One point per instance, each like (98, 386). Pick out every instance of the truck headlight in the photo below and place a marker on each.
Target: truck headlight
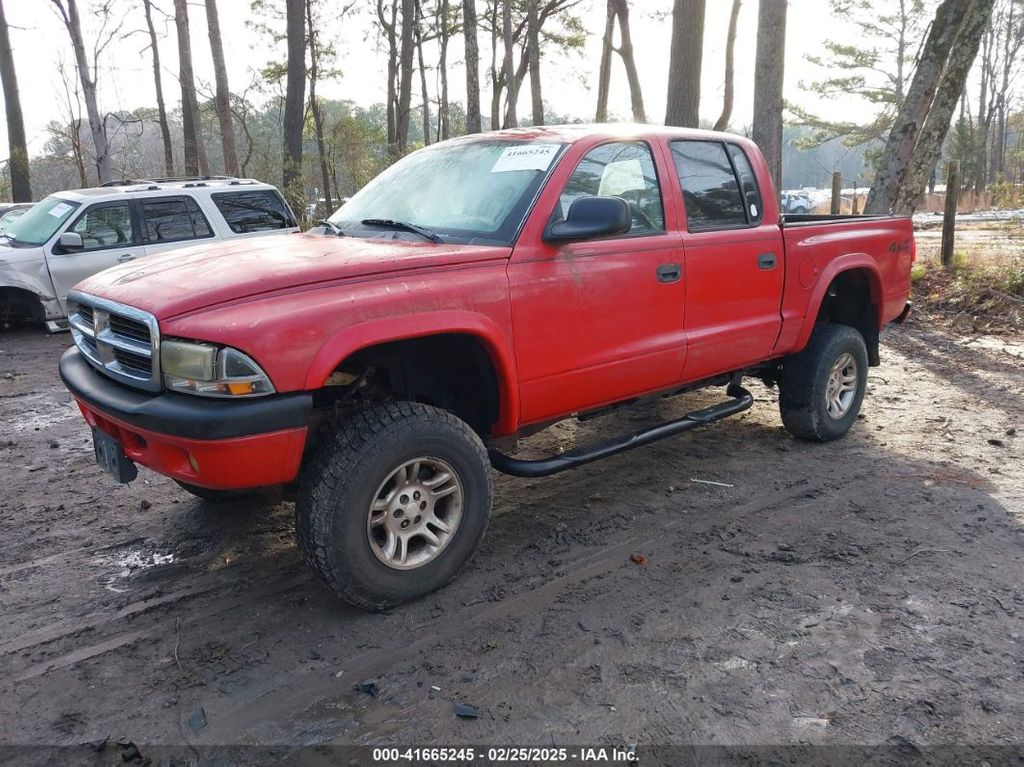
(211, 371)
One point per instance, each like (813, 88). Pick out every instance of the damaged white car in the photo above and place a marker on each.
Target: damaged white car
(74, 234)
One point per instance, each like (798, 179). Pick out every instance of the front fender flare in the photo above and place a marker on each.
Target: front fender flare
(363, 335)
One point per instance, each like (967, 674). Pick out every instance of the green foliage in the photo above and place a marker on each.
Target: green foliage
(1012, 279)
(964, 143)
(875, 69)
(1007, 196)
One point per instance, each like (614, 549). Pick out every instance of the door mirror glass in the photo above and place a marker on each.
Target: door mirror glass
(71, 241)
(590, 217)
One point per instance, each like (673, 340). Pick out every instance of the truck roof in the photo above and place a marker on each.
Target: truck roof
(162, 185)
(572, 133)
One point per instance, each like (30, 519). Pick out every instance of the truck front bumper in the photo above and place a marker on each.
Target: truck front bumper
(214, 443)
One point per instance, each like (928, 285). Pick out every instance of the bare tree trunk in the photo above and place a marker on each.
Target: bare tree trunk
(511, 91)
(533, 52)
(314, 108)
(424, 94)
(949, 91)
(604, 72)
(497, 72)
(223, 94)
(69, 15)
(769, 71)
(685, 60)
(977, 179)
(189, 102)
(730, 69)
(21, 186)
(443, 127)
(294, 102)
(894, 163)
(74, 127)
(473, 123)
(161, 109)
(636, 96)
(405, 69)
(1013, 41)
(389, 28)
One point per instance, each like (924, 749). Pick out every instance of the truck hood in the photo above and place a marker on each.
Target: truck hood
(184, 281)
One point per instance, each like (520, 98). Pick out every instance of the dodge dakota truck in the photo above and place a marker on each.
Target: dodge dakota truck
(481, 288)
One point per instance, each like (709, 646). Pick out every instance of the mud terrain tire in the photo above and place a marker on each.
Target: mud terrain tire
(364, 488)
(814, 395)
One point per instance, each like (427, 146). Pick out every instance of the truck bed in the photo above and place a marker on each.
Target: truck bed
(793, 219)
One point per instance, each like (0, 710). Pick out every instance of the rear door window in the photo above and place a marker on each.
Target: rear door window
(253, 211)
(748, 183)
(172, 219)
(711, 191)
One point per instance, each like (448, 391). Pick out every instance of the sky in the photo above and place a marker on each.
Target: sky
(125, 78)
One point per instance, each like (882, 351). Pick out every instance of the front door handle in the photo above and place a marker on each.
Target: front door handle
(766, 261)
(669, 272)
(125, 258)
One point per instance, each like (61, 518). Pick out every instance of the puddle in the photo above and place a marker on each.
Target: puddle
(128, 562)
(813, 722)
(734, 664)
(39, 412)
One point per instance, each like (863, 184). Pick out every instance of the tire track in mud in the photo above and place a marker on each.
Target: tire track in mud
(47, 559)
(210, 610)
(286, 699)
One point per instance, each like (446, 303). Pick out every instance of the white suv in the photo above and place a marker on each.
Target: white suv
(71, 235)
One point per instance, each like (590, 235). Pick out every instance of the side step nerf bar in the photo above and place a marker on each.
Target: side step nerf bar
(740, 400)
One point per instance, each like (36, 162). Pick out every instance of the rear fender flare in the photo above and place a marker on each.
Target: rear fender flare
(846, 263)
(404, 327)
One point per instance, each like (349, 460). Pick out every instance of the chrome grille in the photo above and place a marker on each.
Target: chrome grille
(120, 341)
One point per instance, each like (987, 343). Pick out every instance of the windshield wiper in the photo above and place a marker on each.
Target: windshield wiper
(333, 227)
(415, 228)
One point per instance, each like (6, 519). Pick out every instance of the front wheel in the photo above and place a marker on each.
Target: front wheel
(822, 387)
(394, 504)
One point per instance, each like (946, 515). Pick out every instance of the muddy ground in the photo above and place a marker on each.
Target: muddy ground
(866, 591)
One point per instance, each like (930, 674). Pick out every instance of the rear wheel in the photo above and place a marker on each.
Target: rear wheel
(394, 504)
(821, 388)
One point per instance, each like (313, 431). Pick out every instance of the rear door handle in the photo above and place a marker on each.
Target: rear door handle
(669, 272)
(125, 258)
(766, 261)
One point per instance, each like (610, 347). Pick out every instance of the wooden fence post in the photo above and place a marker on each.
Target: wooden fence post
(837, 191)
(949, 219)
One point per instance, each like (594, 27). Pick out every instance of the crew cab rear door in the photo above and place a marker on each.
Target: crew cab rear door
(598, 321)
(734, 258)
(171, 222)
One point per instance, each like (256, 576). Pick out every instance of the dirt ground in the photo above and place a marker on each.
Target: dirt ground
(867, 591)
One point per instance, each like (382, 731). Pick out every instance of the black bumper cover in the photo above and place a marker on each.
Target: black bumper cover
(183, 415)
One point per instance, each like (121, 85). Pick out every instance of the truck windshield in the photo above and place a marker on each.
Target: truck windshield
(462, 191)
(39, 223)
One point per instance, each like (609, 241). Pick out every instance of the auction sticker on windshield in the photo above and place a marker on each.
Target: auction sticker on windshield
(526, 157)
(59, 209)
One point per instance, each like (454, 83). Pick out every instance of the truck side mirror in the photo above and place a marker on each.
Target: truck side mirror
(591, 217)
(71, 241)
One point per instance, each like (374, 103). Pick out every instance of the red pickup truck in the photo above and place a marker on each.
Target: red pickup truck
(479, 288)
